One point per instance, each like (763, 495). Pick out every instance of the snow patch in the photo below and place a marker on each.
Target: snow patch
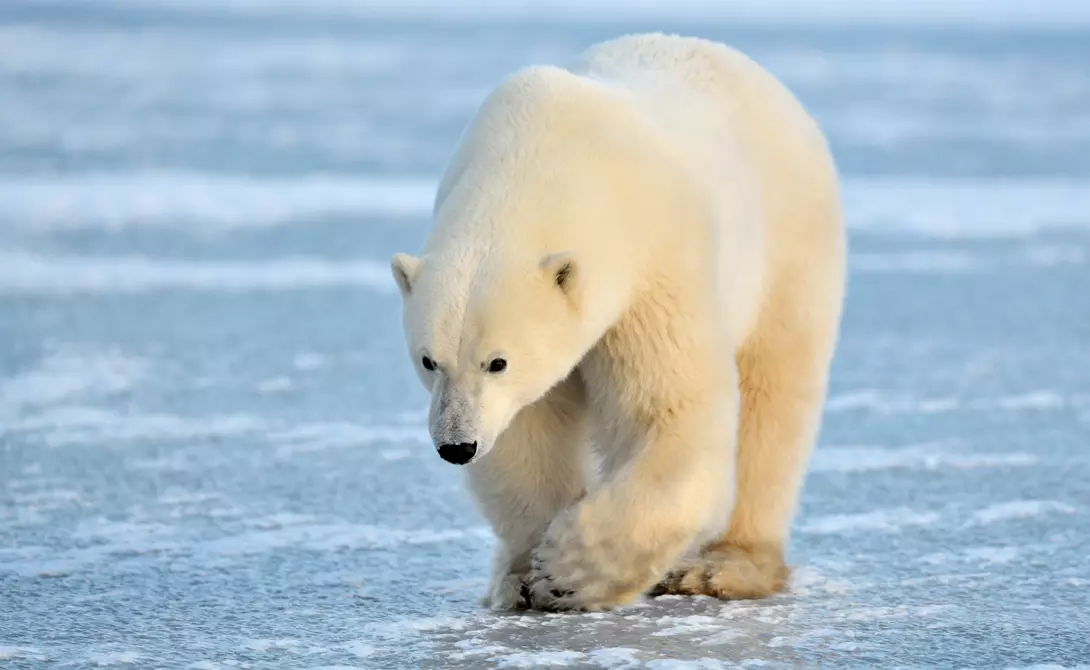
(952, 208)
(475, 648)
(923, 457)
(275, 385)
(30, 273)
(1051, 256)
(614, 657)
(115, 658)
(396, 631)
(537, 659)
(926, 262)
(76, 425)
(202, 202)
(358, 649)
(334, 536)
(45, 499)
(883, 403)
(107, 540)
(1020, 509)
(993, 555)
(331, 435)
(1037, 400)
(871, 614)
(280, 520)
(184, 497)
(966, 208)
(687, 625)
(973, 555)
(806, 580)
(307, 361)
(805, 640)
(264, 645)
(9, 652)
(890, 520)
(71, 373)
(879, 402)
(82, 425)
(1047, 13)
(698, 664)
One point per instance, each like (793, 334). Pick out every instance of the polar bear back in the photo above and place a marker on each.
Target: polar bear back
(764, 158)
(719, 168)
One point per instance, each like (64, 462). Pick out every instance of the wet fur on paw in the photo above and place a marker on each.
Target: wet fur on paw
(507, 593)
(728, 572)
(574, 569)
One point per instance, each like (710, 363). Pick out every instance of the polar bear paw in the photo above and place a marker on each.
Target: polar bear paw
(728, 572)
(578, 568)
(507, 592)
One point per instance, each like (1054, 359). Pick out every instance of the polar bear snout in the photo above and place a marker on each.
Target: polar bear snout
(458, 453)
(455, 424)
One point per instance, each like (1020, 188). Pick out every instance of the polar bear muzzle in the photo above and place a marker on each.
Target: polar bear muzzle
(454, 422)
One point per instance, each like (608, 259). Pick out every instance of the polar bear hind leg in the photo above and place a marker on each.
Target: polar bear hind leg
(783, 372)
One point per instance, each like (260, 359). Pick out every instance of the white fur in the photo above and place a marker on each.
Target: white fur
(652, 240)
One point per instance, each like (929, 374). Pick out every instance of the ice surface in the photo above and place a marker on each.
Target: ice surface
(27, 272)
(950, 209)
(213, 451)
(213, 202)
(779, 12)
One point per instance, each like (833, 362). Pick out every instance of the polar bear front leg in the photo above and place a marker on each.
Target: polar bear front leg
(538, 466)
(669, 447)
(617, 542)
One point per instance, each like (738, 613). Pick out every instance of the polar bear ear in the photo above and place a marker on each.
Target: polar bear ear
(563, 271)
(404, 268)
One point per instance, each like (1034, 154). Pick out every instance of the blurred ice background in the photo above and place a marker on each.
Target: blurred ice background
(212, 450)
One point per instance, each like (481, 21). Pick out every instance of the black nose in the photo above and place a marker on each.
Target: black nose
(458, 454)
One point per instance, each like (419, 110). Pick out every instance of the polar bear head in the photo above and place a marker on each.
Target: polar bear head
(487, 337)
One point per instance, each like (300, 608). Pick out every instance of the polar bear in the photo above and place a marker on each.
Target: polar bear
(625, 313)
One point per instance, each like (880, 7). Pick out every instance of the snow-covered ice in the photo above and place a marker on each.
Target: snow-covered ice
(212, 447)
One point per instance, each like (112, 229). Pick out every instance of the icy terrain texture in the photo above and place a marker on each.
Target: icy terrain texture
(212, 446)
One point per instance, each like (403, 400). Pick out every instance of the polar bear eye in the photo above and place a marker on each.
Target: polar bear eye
(428, 363)
(497, 365)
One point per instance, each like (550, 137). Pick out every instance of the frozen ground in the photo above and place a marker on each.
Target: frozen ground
(212, 451)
